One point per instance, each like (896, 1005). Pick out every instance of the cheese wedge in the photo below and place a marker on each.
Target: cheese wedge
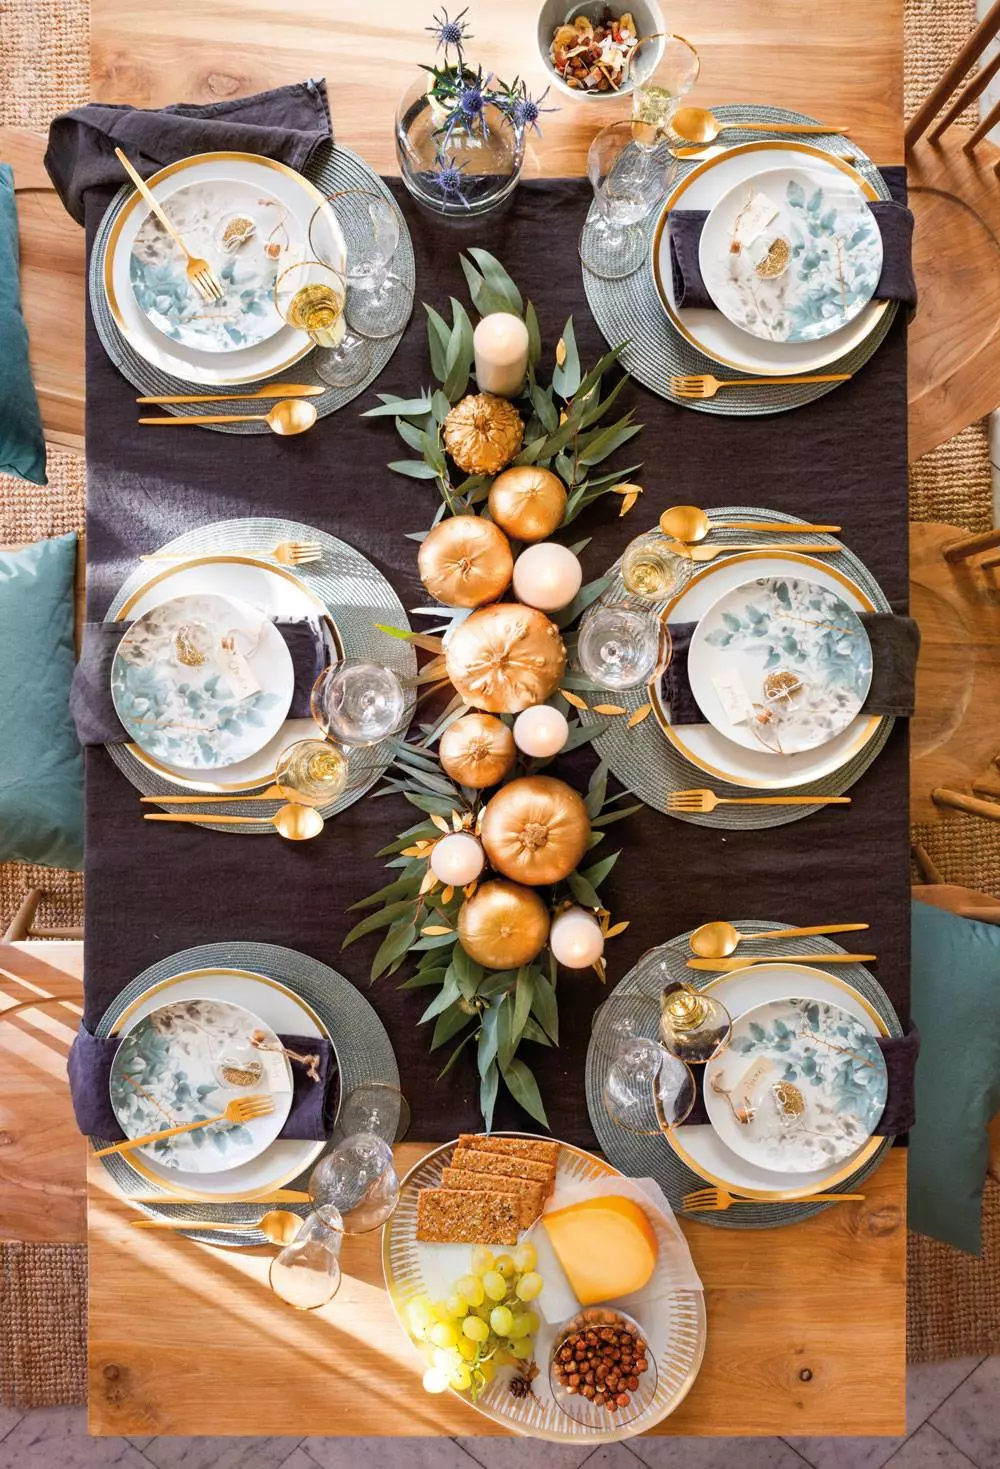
(606, 1246)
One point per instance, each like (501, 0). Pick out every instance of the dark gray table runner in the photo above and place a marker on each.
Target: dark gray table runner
(152, 891)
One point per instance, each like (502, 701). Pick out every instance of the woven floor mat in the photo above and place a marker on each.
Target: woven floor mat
(965, 850)
(953, 1305)
(954, 482)
(43, 1314)
(44, 59)
(934, 32)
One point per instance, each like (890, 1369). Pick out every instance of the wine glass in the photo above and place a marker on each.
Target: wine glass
(358, 1180)
(646, 1089)
(312, 772)
(621, 646)
(651, 570)
(378, 301)
(693, 1026)
(310, 296)
(658, 88)
(627, 181)
(378, 1107)
(306, 1274)
(358, 703)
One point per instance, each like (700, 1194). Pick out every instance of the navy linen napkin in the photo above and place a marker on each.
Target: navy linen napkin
(90, 701)
(314, 1103)
(286, 124)
(895, 644)
(898, 1115)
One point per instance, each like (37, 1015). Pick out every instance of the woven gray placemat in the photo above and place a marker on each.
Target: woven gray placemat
(653, 1157)
(363, 1049)
(356, 595)
(630, 310)
(647, 764)
(331, 168)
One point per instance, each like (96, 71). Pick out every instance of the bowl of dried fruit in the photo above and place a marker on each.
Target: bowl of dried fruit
(601, 1372)
(588, 48)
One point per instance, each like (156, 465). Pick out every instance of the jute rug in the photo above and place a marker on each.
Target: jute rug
(43, 1315)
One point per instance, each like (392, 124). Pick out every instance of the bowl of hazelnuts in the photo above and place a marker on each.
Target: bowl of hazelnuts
(588, 48)
(601, 1372)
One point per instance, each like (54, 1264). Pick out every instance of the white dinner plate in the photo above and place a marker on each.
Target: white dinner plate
(701, 1147)
(286, 1014)
(189, 364)
(273, 589)
(713, 752)
(711, 332)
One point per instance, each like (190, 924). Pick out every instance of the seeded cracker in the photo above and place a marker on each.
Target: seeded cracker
(466, 1216)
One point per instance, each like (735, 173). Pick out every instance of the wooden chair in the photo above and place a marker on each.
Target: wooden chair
(954, 362)
(23, 925)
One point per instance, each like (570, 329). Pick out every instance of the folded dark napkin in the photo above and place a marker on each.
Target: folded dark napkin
(314, 1103)
(899, 1113)
(285, 124)
(896, 283)
(90, 701)
(895, 644)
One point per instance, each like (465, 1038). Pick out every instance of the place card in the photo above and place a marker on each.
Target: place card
(752, 219)
(276, 1073)
(233, 663)
(736, 702)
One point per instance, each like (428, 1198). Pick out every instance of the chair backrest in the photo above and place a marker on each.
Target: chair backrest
(970, 53)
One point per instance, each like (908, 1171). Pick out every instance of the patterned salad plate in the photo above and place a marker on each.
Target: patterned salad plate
(800, 1086)
(791, 255)
(792, 653)
(202, 681)
(185, 1061)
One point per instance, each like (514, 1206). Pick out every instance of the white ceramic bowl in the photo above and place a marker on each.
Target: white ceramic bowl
(648, 22)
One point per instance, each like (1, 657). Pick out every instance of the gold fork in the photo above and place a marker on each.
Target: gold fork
(718, 1200)
(706, 801)
(240, 1109)
(199, 272)
(286, 553)
(704, 385)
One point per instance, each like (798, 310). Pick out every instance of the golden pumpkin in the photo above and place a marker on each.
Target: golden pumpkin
(503, 925)
(478, 750)
(535, 830)
(465, 561)
(527, 502)
(506, 657)
(482, 433)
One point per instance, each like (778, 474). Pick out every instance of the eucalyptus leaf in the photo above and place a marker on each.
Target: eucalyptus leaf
(582, 891)
(497, 279)
(455, 1054)
(438, 335)
(414, 468)
(583, 599)
(597, 790)
(545, 1006)
(486, 1050)
(449, 1024)
(403, 887)
(520, 1082)
(449, 995)
(534, 1032)
(596, 874)
(605, 441)
(393, 948)
(391, 913)
(607, 817)
(506, 1044)
(524, 993)
(391, 407)
(566, 379)
(459, 356)
(488, 1087)
(534, 335)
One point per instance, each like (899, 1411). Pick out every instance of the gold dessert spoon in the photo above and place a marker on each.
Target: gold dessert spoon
(689, 524)
(719, 940)
(294, 822)
(290, 416)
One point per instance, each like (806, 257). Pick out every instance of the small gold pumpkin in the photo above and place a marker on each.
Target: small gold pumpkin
(465, 561)
(528, 502)
(535, 830)
(503, 925)
(482, 433)
(505, 657)
(478, 750)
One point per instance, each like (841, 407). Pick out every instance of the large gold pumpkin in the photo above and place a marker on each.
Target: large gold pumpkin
(478, 750)
(506, 657)
(482, 433)
(465, 561)
(503, 925)
(528, 502)
(535, 830)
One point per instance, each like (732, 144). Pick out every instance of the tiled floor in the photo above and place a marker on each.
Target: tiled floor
(953, 1413)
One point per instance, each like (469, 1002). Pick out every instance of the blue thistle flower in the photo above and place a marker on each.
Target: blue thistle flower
(450, 32)
(473, 97)
(449, 174)
(525, 110)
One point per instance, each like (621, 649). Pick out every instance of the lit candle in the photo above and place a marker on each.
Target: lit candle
(541, 731)
(575, 939)
(500, 343)
(547, 576)
(457, 859)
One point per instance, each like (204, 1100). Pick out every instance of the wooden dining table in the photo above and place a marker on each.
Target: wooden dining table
(806, 1324)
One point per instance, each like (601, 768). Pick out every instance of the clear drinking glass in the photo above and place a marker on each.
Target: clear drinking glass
(378, 1107)
(312, 772)
(657, 91)
(310, 296)
(358, 1180)
(306, 1273)
(360, 703)
(693, 1026)
(378, 301)
(627, 181)
(621, 646)
(646, 1089)
(652, 571)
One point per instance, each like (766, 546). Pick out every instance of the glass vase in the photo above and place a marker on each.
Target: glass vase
(459, 169)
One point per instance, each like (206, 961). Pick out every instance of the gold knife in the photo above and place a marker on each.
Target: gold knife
(273, 793)
(279, 1196)
(269, 390)
(727, 966)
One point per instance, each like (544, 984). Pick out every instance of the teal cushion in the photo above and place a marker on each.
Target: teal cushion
(41, 765)
(22, 446)
(956, 1005)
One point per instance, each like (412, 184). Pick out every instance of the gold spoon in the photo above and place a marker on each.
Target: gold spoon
(290, 416)
(689, 524)
(718, 940)
(698, 125)
(280, 1225)
(294, 822)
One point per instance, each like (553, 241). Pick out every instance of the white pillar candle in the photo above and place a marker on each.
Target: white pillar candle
(457, 859)
(541, 731)
(547, 576)
(500, 343)
(575, 939)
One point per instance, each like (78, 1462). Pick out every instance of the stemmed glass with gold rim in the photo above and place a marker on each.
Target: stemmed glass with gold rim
(362, 248)
(311, 296)
(657, 90)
